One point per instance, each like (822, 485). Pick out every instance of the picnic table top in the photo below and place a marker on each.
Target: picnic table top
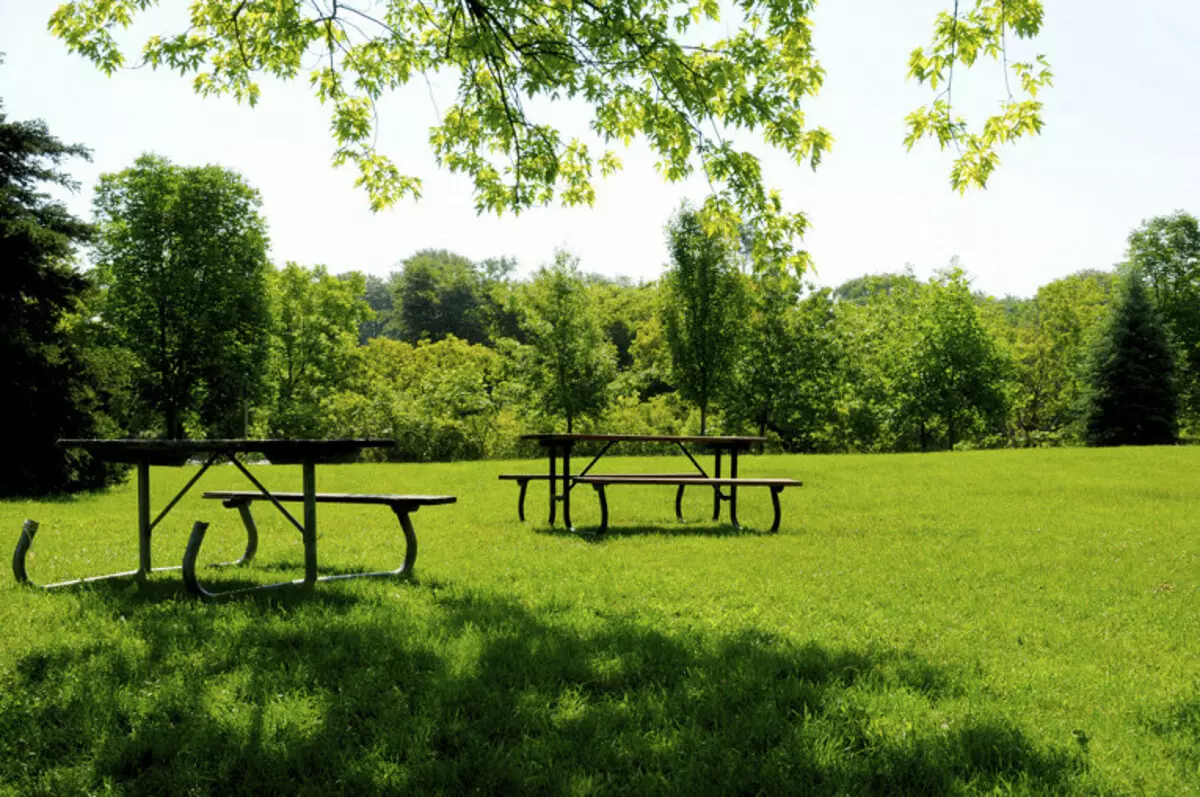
(177, 452)
(715, 440)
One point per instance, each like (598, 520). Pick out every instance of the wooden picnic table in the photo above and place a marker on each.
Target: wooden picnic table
(174, 453)
(560, 445)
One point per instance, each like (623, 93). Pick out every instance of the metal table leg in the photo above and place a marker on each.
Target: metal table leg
(310, 523)
(716, 489)
(733, 474)
(143, 509)
(566, 476)
(553, 449)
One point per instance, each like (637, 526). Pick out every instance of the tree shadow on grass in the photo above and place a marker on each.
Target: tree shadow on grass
(469, 691)
(1178, 725)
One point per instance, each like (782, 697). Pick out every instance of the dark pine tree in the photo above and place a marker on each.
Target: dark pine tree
(46, 391)
(1132, 398)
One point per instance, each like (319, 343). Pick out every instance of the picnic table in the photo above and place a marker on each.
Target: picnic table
(559, 446)
(174, 453)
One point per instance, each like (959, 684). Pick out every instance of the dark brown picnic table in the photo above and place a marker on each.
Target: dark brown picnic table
(174, 453)
(559, 447)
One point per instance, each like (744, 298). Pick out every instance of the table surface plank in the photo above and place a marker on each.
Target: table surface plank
(177, 452)
(337, 498)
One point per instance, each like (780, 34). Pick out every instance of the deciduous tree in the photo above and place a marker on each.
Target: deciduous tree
(572, 363)
(440, 293)
(316, 318)
(703, 304)
(182, 258)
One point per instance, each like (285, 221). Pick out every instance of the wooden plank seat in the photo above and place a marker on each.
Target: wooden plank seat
(523, 479)
(401, 505)
(776, 486)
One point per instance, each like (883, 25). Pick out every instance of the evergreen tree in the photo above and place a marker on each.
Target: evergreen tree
(1132, 398)
(47, 395)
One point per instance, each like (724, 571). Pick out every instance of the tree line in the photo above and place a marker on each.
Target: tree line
(182, 327)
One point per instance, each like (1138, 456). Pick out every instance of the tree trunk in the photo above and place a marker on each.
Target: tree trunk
(703, 418)
(569, 423)
(924, 436)
(762, 432)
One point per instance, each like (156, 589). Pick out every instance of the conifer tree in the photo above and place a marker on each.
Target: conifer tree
(1132, 397)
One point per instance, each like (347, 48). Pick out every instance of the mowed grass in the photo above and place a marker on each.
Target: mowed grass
(991, 622)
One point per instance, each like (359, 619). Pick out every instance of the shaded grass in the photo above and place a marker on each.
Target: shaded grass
(1013, 622)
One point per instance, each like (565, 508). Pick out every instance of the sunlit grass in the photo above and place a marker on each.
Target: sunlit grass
(997, 621)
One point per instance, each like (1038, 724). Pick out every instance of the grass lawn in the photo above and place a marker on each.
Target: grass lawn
(1019, 621)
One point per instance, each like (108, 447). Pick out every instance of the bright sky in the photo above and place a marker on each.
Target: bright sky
(1120, 145)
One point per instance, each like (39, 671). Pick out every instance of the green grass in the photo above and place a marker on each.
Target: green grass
(1024, 622)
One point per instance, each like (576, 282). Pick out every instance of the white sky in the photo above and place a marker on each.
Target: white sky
(1123, 124)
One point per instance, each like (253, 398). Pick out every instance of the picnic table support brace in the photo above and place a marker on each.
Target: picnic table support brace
(267, 493)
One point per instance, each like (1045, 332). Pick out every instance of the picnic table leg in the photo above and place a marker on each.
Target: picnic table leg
(603, 508)
(243, 508)
(410, 542)
(309, 470)
(143, 509)
(716, 489)
(28, 529)
(775, 503)
(521, 499)
(679, 504)
(553, 449)
(567, 487)
(190, 582)
(733, 474)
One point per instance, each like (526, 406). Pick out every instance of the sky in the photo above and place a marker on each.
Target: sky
(1119, 146)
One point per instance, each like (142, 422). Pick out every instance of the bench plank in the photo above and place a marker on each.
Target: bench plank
(689, 480)
(546, 476)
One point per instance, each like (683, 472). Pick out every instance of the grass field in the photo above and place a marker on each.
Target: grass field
(992, 622)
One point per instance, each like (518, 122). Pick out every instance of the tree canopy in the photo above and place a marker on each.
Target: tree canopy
(690, 79)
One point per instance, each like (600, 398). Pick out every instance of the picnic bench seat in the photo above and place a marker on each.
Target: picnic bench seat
(401, 505)
(776, 486)
(523, 480)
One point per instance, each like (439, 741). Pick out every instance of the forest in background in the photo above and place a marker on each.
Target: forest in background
(167, 318)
